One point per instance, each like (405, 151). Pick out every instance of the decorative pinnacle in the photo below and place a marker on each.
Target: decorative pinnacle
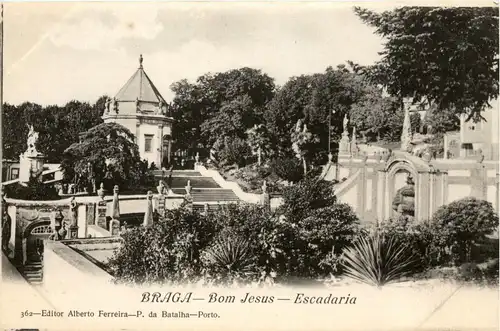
(140, 61)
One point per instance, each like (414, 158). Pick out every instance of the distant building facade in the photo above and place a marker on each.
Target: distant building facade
(139, 107)
(475, 139)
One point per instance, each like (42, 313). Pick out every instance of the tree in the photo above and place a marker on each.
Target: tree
(58, 126)
(107, 153)
(228, 102)
(285, 109)
(441, 120)
(377, 117)
(443, 56)
(258, 141)
(14, 131)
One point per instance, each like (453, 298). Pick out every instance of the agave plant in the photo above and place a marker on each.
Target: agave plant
(378, 260)
(229, 256)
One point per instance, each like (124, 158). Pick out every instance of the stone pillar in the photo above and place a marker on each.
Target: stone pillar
(381, 188)
(160, 147)
(148, 215)
(114, 224)
(406, 133)
(138, 134)
(344, 144)
(497, 187)
(433, 199)
(12, 212)
(101, 209)
(265, 199)
(424, 212)
(82, 221)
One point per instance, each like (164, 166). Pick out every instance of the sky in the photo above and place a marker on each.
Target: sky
(57, 52)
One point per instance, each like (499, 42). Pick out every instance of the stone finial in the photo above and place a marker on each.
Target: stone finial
(264, 187)
(480, 156)
(406, 133)
(116, 204)
(364, 156)
(330, 157)
(205, 208)
(148, 215)
(197, 157)
(101, 192)
(427, 157)
(141, 59)
(188, 187)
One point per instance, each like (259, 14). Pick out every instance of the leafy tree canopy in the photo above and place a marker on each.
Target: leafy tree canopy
(58, 126)
(224, 103)
(446, 56)
(107, 153)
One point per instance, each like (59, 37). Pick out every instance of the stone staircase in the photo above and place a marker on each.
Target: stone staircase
(33, 272)
(204, 189)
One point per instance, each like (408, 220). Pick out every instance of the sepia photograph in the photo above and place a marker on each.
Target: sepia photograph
(249, 166)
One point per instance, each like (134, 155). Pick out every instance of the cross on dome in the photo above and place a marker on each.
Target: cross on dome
(140, 61)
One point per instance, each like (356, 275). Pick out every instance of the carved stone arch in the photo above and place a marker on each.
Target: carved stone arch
(396, 166)
(33, 225)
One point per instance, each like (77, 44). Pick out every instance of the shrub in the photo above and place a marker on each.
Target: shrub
(321, 235)
(459, 225)
(229, 259)
(235, 151)
(378, 260)
(167, 250)
(307, 195)
(269, 238)
(287, 168)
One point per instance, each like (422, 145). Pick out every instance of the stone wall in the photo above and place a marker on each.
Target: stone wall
(372, 183)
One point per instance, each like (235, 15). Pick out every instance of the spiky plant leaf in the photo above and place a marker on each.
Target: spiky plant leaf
(378, 260)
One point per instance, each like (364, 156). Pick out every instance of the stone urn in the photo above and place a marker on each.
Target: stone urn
(160, 188)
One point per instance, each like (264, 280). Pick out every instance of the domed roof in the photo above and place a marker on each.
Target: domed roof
(139, 86)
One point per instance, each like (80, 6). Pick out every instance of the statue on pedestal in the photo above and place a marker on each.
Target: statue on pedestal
(32, 140)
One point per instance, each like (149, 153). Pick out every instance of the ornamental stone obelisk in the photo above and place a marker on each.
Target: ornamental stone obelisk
(406, 133)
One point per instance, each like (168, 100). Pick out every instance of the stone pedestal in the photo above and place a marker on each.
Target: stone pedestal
(114, 227)
(73, 231)
(344, 144)
(101, 214)
(30, 165)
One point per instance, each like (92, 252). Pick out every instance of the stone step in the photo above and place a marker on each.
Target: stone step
(166, 173)
(195, 182)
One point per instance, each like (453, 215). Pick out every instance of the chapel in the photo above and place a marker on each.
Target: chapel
(140, 107)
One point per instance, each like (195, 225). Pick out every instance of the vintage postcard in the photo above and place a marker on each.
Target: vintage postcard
(249, 166)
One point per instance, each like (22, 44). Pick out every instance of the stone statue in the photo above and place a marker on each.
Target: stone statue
(161, 188)
(346, 122)
(32, 140)
(108, 103)
(73, 208)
